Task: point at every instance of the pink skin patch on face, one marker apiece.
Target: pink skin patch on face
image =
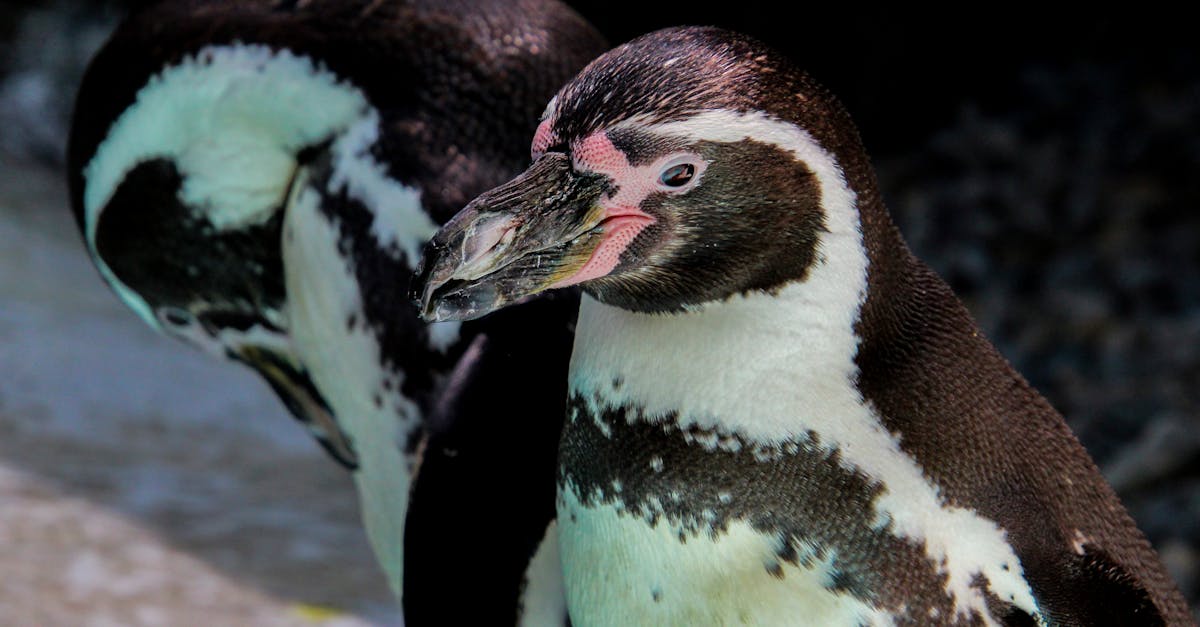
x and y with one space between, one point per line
623 218
542 138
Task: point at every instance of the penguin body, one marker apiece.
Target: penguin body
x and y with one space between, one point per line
777 415
257 179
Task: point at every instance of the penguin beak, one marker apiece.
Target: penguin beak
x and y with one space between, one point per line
512 242
294 387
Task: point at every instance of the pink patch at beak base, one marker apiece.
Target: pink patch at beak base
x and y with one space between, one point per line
620 229
623 218
542 139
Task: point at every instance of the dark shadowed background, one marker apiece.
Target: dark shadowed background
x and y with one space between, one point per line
1046 166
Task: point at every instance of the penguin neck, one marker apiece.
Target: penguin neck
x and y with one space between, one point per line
711 365
707 364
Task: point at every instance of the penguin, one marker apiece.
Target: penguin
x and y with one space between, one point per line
777 415
257 179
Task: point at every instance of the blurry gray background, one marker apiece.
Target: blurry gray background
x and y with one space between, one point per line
1047 167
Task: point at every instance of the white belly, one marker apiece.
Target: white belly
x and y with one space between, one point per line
619 570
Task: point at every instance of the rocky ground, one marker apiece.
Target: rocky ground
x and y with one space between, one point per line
141 483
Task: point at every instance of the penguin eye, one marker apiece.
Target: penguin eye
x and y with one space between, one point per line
677 175
176 317
680 173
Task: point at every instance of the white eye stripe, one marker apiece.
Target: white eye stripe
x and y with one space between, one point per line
260 106
549 108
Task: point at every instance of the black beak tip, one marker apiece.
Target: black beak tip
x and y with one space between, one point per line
438 296
423 285
418 291
441 301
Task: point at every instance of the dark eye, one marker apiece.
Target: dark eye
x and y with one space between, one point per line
175 316
677 175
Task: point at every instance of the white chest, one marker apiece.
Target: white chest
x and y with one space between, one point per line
755 383
622 570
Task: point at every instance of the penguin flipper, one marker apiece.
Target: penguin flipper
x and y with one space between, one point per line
1102 593
485 490
293 385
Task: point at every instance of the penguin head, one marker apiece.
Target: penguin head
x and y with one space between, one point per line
182 197
685 167
198 125
181 201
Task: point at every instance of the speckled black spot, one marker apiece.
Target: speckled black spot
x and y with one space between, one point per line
841 581
821 512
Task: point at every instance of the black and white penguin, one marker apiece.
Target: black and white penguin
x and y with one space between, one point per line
258 179
777 414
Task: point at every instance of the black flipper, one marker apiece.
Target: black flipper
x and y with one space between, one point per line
486 486
1098 592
